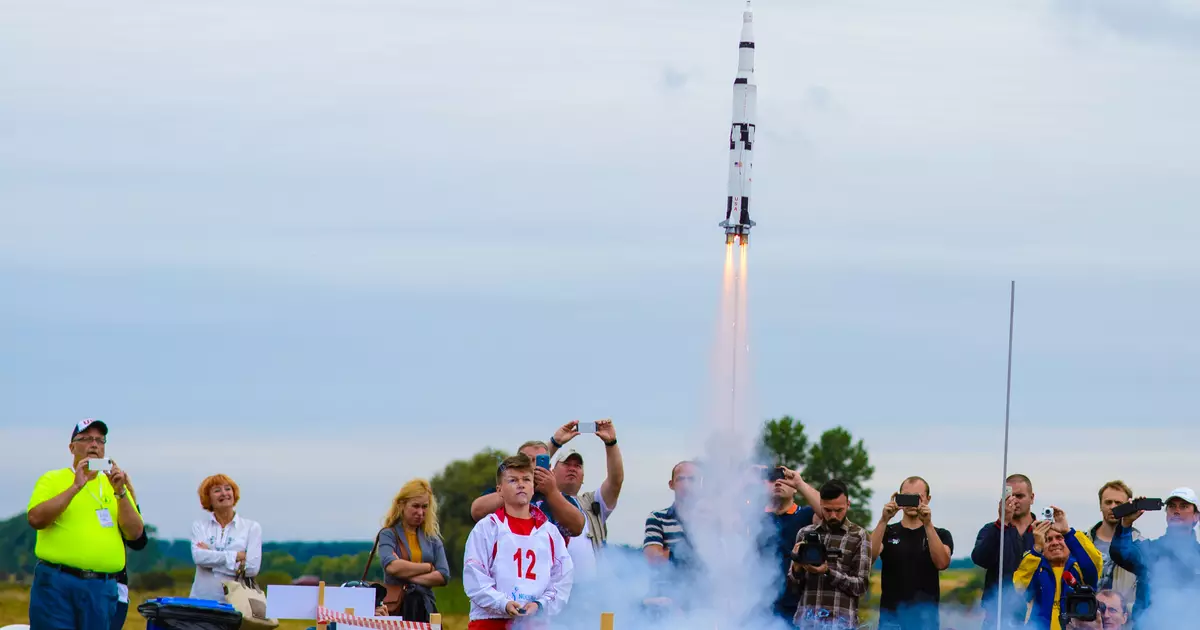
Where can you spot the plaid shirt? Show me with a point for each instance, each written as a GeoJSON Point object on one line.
{"type": "Point", "coordinates": [830, 600]}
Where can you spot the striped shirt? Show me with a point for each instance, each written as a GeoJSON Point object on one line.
{"type": "Point", "coordinates": [664, 529]}
{"type": "Point", "coordinates": [830, 600]}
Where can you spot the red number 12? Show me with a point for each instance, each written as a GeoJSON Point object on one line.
{"type": "Point", "coordinates": [530, 575]}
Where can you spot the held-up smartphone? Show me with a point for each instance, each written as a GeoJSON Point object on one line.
{"type": "Point", "coordinates": [774, 474]}
{"type": "Point", "coordinates": [1145, 505]}
{"type": "Point", "coordinates": [586, 427]}
{"type": "Point", "coordinates": [908, 500]}
{"type": "Point", "coordinates": [99, 465]}
{"type": "Point", "coordinates": [543, 461]}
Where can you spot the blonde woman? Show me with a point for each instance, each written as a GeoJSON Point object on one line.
{"type": "Point", "coordinates": [224, 542]}
{"type": "Point", "coordinates": [411, 549]}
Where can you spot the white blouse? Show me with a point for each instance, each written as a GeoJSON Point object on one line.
{"type": "Point", "coordinates": [219, 562]}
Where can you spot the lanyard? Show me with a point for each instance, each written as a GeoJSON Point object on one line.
{"type": "Point", "coordinates": [99, 499]}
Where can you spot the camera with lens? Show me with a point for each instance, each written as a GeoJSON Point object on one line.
{"type": "Point", "coordinates": [812, 551]}
{"type": "Point", "coordinates": [1080, 605]}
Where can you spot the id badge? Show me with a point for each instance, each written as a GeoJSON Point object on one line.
{"type": "Point", "coordinates": [122, 593]}
{"type": "Point", "coordinates": [105, 517]}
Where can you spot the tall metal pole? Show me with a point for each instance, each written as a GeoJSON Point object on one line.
{"type": "Point", "coordinates": [1012, 307]}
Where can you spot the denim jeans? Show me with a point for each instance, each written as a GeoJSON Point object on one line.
{"type": "Point", "coordinates": [58, 601]}
{"type": "Point", "coordinates": [118, 619]}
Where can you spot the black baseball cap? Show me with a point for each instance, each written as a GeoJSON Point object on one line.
{"type": "Point", "coordinates": [89, 422]}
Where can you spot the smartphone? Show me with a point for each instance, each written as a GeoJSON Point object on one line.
{"type": "Point", "coordinates": [774, 474]}
{"type": "Point", "coordinates": [908, 500]}
{"type": "Point", "coordinates": [99, 465]}
{"type": "Point", "coordinates": [586, 427]}
{"type": "Point", "coordinates": [543, 461]}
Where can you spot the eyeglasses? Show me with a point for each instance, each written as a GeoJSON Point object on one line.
{"type": "Point", "coordinates": [95, 439]}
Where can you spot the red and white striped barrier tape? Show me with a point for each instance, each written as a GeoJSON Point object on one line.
{"type": "Point", "coordinates": [325, 615]}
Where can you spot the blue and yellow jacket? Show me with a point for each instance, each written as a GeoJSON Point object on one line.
{"type": "Point", "coordinates": [1043, 584]}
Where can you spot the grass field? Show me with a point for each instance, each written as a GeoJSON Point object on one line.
{"type": "Point", "coordinates": [14, 602]}
{"type": "Point", "coordinates": [14, 608]}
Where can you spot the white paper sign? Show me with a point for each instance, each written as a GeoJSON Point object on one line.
{"type": "Point", "coordinates": [285, 601]}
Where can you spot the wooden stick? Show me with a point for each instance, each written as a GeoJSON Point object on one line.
{"type": "Point", "coordinates": [320, 601]}
{"type": "Point", "coordinates": [606, 621]}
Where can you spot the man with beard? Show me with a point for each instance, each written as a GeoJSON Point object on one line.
{"type": "Point", "coordinates": [83, 519]}
{"type": "Point", "coordinates": [1168, 568]}
{"type": "Point", "coordinates": [1062, 562]}
{"type": "Point", "coordinates": [1015, 525]}
{"type": "Point", "coordinates": [829, 591]}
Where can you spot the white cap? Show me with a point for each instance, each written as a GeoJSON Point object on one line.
{"type": "Point", "coordinates": [1187, 494]}
{"type": "Point", "coordinates": [563, 454]}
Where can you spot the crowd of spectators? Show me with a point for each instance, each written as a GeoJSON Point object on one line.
{"type": "Point", "coordinates": [540, 538]}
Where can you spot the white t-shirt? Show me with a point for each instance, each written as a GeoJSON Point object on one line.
{"type": "Point", "coordinates": [580, 548]}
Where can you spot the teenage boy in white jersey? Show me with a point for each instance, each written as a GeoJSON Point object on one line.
{"type": "Point", "coordinates": [516, 568]}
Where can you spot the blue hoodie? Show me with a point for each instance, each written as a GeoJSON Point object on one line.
{"type": "Point", "coordinates": [1174, 558]}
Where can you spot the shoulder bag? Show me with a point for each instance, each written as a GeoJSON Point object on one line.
{"type": "Point", "coordinates": [394, 598]}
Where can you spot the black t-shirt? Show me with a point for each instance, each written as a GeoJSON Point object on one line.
{"type": "Point", "coordinates": [909, 576]}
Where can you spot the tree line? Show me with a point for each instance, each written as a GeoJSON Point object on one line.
{"type": "Point", "coordinates": [166, 563]}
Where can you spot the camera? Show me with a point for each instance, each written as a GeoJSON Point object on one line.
{"type": "Point", "coordinates": [1080, 605]}
{"type": "Point", "coordinates": [908, 500]}
{"type": "Point", "coordinates": [812, 551]}
{"type": "Point", "coordinates": [1142, 505]}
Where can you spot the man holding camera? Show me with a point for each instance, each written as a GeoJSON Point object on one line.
{"type": "Point", "coordinates": [1170, 564]}
{"type": "Point", "coordinates": [563, 511]}
{"type": "Point", "coordinates": [1111, 495]}
{"type": "Point", "coordinates": [831, 563]}
{"type": "Point", "coordinates": [1015, 525]}
{"type": "Point", "coordinates": [785, 520]}
{"type": "Point", "coordinates": [83, 518]}
{"type": "Point", "coordinates": [914, 552]}
{"type": "Point", "coordinates": [1063, 565]}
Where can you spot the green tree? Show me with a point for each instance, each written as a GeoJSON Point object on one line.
{"type": "Point", "coordinates": [783, 440]}
{"type": "Point", "coordinates": [456, 487]}
{"type": "Point", "coordinates": [838, 456]}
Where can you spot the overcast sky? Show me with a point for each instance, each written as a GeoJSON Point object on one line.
{"type": "Point", "coordinates": [325, 247]}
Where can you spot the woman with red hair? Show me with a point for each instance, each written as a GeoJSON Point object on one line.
{"type": "Point", "coordinates": [224, 543]}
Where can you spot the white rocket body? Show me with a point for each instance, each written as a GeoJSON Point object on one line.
{"type": "Point", "coordinates": [741, 137]}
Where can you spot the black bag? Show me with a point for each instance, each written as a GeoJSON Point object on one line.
{"type": "Point", "coordinates": [414, 607]}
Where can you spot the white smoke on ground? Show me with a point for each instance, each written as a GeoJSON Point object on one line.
{"type": "Point", "coordinates": [731, 583]}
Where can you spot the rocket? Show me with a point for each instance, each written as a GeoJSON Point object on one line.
{"type": "Point", "coordinates": [737, 221]}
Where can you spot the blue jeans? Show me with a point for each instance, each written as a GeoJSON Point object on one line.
{"type": "Point", "coordinates": [118, 620]}
{"type": "Point", "coordinates": [58, 601]}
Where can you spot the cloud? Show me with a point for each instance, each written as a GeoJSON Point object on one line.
{"type": "Point", "coordinates": [1156, 21]}
{"type": "Point", "coordinates": [673, 80]}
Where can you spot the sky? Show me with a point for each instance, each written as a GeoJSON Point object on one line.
{"type": "Point", "coordinates": [328, 247]}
